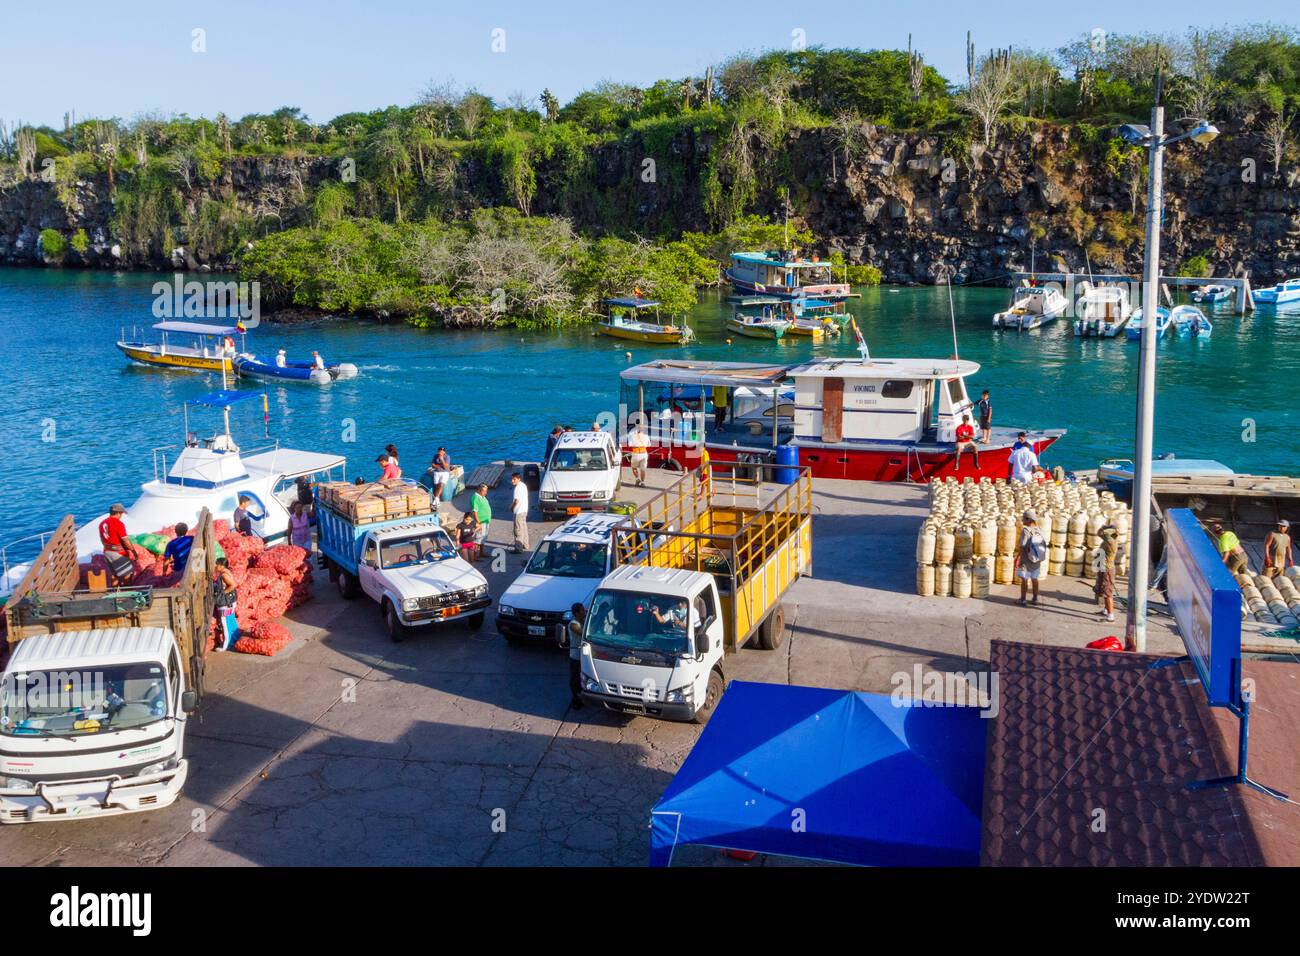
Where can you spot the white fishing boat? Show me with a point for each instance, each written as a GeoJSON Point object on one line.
{"type": "Point", "coordinates": [210, 473]}
{"type": "Point", "coordinates": [1034, 306]}
{"type": "Point", "coordinates": [1103, 312]}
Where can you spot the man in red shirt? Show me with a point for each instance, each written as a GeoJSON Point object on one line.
{"type": "Point", "coordinates": [119, 551]}
{"type": "Point", "coordinates": [965, 440]}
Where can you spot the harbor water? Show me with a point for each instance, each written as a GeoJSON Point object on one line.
{"type": "Point", "coordinates": [81, 422]}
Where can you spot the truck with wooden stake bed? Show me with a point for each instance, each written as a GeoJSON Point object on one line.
{"type": "Point", "coordinates": [100, 685]}
{"type": "Point", "coordinates": [385, 540]}
{"type": "Point", "coordinates": [729, 545]}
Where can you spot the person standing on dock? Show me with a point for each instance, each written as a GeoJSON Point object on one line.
{"type": "Point", "coordinates": [483, 512]}
{"type": "Point", "coordinates": [1229, 545]}
{"type": "Point", "coordinates": [1104, 586]}
{"type": "Point", "coordinates": [300, 527]}
{"type": "Point", "coordinates": [1030, 556]}
{"type": "Point", "coordinates": [519, 512]}
{"type": "Point", "coordinates": [985, 408]}
{"type": "Point", "coordinates": [225, 597]}
{"type": "Point", "coordinates": [1023, 461]}
{"type": "Point", "coordinates": [441, 468]}
{"type": "Point", "coordinates": [966, 440]}
{"type": "Point", "coordinates": [638, 441]}
{"type": "Point", "coordinates": [551, 439]}
{"type": "Point", "coordinates": [1277, 549]}
{"type": "Point", "coordinates": [573, 641]}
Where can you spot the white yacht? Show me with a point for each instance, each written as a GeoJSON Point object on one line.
{"type": "Point", "coordinates": [1033, 306]}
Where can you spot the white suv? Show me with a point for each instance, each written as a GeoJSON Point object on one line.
{"type": "Point", "coordinates": [583, 472]}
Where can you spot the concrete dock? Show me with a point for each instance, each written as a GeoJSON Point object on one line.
{"type": "Point", "coordinates": [457, 748]}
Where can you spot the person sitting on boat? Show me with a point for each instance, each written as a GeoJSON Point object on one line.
{"type": "Point", "coordinates": [280, 360]}
{"type": "Point", "coordinates": [317, 361]}
{"type": "Point", "coordinates": [1277, 549]}
{"type": "Point", "coordinates": [966, 440]}
{"type": "Point", "coordinates": [228, 346]}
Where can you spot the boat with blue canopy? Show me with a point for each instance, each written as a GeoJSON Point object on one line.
{"type": "Point", "coordinates": [780, 272]}
{"type": "Point", "coordinates": [622, 321]}
{"type": "Point", "coordinates": [203, 347]}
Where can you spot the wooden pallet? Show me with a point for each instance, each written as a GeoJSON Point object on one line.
{"type": "Point", "coordinates": [489, 475]}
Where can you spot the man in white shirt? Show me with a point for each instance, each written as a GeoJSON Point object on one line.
{"type": "Point", "coordinates": [1023, 463]}
{"type": "Point", "coordinates": [519, 512]}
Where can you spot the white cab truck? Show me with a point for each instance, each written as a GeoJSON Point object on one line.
{"type": "Point", "coordinates": [563, 571]}
{"type": "Point", "coordinates": [92, 723]}
{"type": "Point", "coordinates": [99, 686]}
{"type": "Point", "coordinates": [659, 624]}
{"type": "Point", "coordinates": [406, 563]}
{"type": "Point", "coordinates": [583, 473]}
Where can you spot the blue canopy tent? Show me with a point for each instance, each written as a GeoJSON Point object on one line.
{"type": "Point", "coordinates": [842, 776]}
{"type": "Point", "coordinates": [222, 399]}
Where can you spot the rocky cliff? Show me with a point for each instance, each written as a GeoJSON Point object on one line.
{"type": "Point", "coordinates": [910, 204]}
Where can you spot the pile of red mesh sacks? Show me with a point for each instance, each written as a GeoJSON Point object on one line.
{"type": "Point", "coordinates": [270, 581]}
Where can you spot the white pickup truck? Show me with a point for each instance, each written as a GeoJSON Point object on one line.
{"type": "Point", "coordinates": [583, 472]}
{"type": "Point", "coordinates": [92, 723]}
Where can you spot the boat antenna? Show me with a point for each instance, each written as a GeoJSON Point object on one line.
{"type": "Point", "coordinates": [952, 316]}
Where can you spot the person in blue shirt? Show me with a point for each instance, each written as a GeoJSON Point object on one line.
{"type": "Point", "coordinates": [177, 552]}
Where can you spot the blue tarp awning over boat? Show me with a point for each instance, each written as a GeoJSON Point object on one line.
{"type": "Point", "coordinates": [832, 775]}
{"type": "Point", "coordinates": [223, 399]}
{"type": "Point", "coordinates": [632, 302]}
{"type": "Point", "coordinates": [196, 328]}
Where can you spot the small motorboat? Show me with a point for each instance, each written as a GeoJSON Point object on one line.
{"type": "Point", "coordinates": [286, 370]}
{"type": "Point", "coordinates": [1103, 312]}
{"type": "Point", "coordinates": [1033, 306]}
{"type": "Point", "coordinates": [1189, 320]}
{"type": "Point", "coordinates": [621, 322]}
{"type": "Point", "coordinates": [1212, 294]}
{"type": "Point", "coordinates": [205, 348]}
{"type": "Point", "coordinates": [1284, 293]}
{"type": "Point", "coordinates": [770, 322]}
{"type": "Point", "coordinates": [817, 318]}
{"type": "Point", "coordinates": [1137, 323]}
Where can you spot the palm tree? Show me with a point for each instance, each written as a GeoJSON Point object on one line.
{"type": "Point", "coordinates": [389, 150]}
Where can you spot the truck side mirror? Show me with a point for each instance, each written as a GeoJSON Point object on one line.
{"type": "Point", "coordinates": [701, 639]}
{"type": "Point", "coordinates": [190, 701]}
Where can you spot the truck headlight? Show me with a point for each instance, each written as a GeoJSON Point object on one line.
{"type": "Point", "coordinates": [548, 496]}
{"type": "Point", "coordinates": [505, 610]}
{"type": "Point", "coordinates": [18, 783]}
{"type": "Point", "coordinates": [410, 604]}
{"type": "Point", "coordinates": [590, 683]}
{"type": "Point", "coordinates": [480, 590]}
{"type": "Point", "coordinates": [681, 695]}
{"type": "Point", "coordinates": [156, 768]}
{"type": "Point", "coordinates": [598, 496]}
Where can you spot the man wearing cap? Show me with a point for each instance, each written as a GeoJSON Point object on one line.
{"type": "Point", "coordinates": [1229, 545]}
{"type": "Point", "coordinates": [1030, 556]}
{"type": "Point", "coordinates": [1277, 549]}
{"type": "Point", "coordinates": [119, 550]}
{"type": "Point", "coordinates": [1104, 563]}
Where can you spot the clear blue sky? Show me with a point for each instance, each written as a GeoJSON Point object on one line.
{"type": "Point", "coordinates": [334, 56]}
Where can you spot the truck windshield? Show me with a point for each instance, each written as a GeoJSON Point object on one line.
{"type": "Point", "coordinates": [66, 703]}
{"type": "Point", "coordinates": [578, 459]}
{"type": "Point", "coordinates": [625, 619]}
{"type": "Point", "coordinates": [569, 559]}
{"type": "Point", "coordinates": [422, 549]}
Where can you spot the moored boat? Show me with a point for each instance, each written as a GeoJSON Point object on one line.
{"type": "Point", "coordinates": [1104, 311]}
{"type": "Point", "coordinates": [1191, 321]}
{"type": "Point", "coordinates": [1034, 306]}
{"type": "Point", "coordinates": [621, 322]}
{"type": "Point", "coordinates": [205, 348]}
{"type": "Point", "coordinates": [1138, 322]}
{"type": "Point", "coordinates": [1211, 294]}
{"type": "Point", "coordinates": [782, 273]}
{"type": "Point", "coordinates": [1284, 293]}
{"type": "Point", "coordinates": [819, 318]}
{"type": "Point", "coordinates": [770, 322]}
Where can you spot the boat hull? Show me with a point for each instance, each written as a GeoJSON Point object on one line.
{"type": "Point", "coordinates": [673, 337]}
{"type": "Point", "coordinates": [149, 355]}
{"type": "Point", "coordinates": [884, 461]}
{"type": "Point", "coordinates": [756, 331]}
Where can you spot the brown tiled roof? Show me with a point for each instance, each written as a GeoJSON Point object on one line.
{"type": "Point", "coordinates": [1089, 757]}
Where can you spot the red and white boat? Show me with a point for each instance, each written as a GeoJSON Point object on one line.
{"type": "Point", "coordinates": [860, 418]}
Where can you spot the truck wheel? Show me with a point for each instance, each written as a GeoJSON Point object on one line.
{"type": "Point", "coordinates": [712, 694]}
{"type": "Point", "coordinates": [393, 623]}
{"type": "Point", "coordinates": [348, 585]}
{"type": "Point", "coordinates": [771, 633]}
{"type": "Point", "coordinates": [474, 621]}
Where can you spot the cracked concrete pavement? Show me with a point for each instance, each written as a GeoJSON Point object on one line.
{"type": "Point", "coordinates": [456, 748]}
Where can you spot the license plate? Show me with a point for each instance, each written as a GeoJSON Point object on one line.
{"type": "Point", "coordinates": [536, 630]}
{"type": "Point", "coordinates": [451, 611]}
{"type": "Point", "coordinates": [631, 708]}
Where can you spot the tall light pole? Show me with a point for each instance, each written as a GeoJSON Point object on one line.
{"type": "Point", "coordinates": [1139, 574]}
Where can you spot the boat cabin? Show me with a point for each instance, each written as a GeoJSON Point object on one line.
{"type": "Point", "coordinates": [889, 400]}
{"type": "Point", "coordinates": [781, 272]}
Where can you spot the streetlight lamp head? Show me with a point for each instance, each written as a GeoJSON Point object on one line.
{"type": "Point", "coordinates": [1135, 134]}
{"type": "Point", "coordinates": [1204, 133]}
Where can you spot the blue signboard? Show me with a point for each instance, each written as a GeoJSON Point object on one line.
{"type": "Point", "coordinates": [1206, 603]}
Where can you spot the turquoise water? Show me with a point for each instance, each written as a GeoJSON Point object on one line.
{"type": "Point", "coordinates": [81, 421]}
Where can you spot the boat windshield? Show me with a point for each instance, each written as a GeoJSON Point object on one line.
{"type": "Point", "coordinates": [67, 703]}
{"type": "Point", "coordinates": [578, 459]}
{"type": "Point", "coordinates": [631, 621]}
{"type": "Point", "coordinates": [420, 549]}
{"type": "Point", "coordinates": [569, 559]}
